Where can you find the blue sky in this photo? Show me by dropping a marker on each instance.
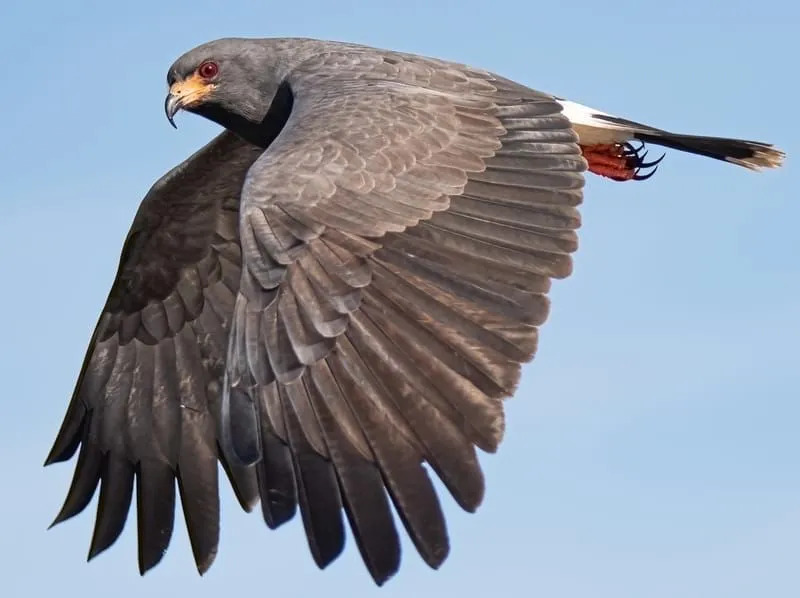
(652, 449)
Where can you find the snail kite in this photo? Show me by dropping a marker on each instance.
(337, 290)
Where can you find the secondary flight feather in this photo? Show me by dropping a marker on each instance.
(339, 289)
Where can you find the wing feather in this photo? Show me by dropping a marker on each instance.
(155, 508)
(276, 479)
(364, 499)
(116, 492)
(146, 407)
(317, 487)
(398, 245)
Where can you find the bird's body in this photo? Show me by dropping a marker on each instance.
(337, 290)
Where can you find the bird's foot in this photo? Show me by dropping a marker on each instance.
(619, 161)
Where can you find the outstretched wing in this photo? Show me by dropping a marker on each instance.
(398, 242)
(146, 404)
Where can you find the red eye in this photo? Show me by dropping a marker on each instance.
(208, 70)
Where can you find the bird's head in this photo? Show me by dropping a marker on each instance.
(229, 81)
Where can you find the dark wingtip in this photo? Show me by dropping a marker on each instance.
(277, 512)
(327, 554)
(204, 564)
(243, 481)
(63, 450)
(69, 436)
(149, 560)
(100, 543)
(382, 569)
(155, 508)
(62, 516)
(439, 558)
(52, 458)
(94, 550)
(382, 578)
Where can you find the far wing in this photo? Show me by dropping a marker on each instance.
(146, 404)
(398, 244)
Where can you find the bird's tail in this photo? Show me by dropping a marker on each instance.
(754, 155)
(609, 145)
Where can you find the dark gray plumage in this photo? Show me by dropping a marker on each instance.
(146, 404)
(336, 291)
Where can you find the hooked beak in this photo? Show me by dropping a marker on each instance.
(171, 106)
(184, 94)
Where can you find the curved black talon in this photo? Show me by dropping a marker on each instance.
(644, 177)
(653, 163)
(636, 160)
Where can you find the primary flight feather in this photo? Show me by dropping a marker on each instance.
(339, 289)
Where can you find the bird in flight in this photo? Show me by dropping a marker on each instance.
(334, 296)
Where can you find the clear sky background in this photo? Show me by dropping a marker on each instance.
(652, 449)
